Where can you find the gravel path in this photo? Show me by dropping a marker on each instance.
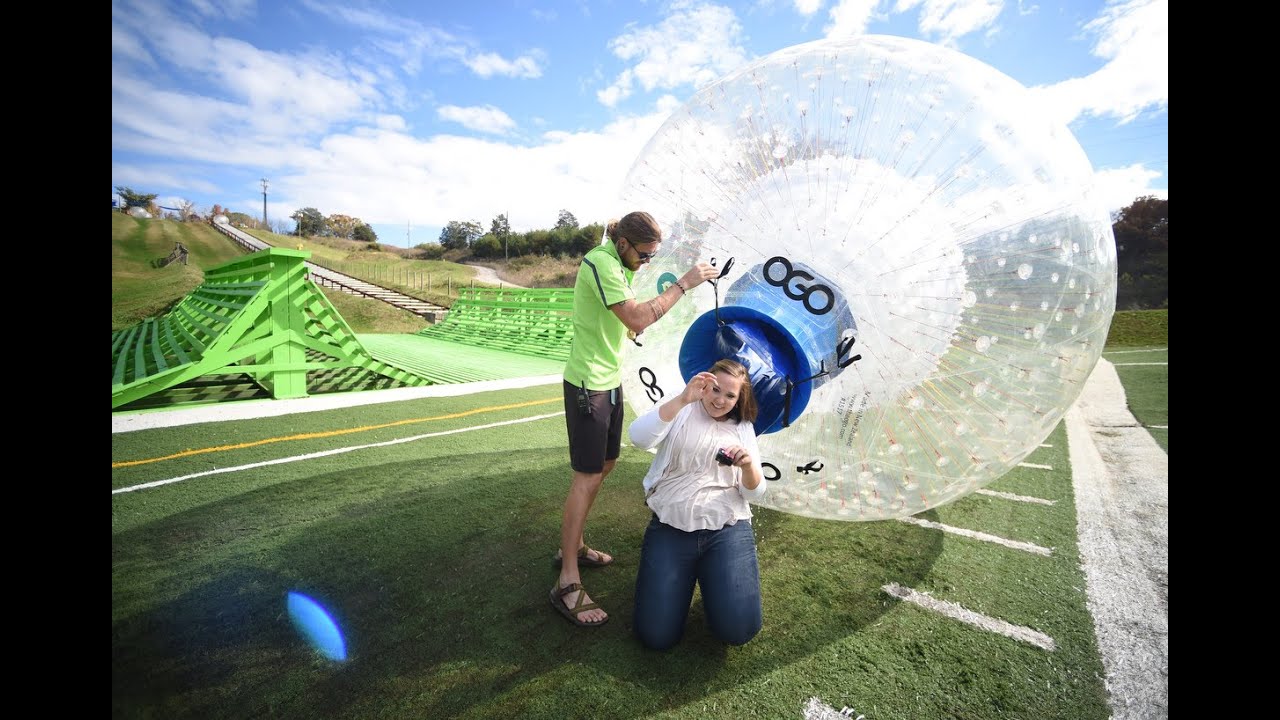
(1121, 479)
(487, 275)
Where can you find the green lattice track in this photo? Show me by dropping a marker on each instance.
(489, 334)
(443, 362)
(256, 327)
(536, 322)
(259, 328)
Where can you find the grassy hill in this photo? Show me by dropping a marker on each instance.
(139, 290)
(1139, 328)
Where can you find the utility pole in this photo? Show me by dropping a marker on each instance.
(265, 226)
(506, 234)
(406, 233)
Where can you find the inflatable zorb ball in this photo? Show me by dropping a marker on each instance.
(920, 277)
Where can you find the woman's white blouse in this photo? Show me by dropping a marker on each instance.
(685, 486)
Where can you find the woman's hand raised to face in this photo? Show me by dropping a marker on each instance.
(697, 387)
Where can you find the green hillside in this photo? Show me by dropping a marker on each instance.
(1139, 328)
(139, 290)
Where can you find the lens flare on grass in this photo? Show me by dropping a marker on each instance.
(316, 626)
(923, 275)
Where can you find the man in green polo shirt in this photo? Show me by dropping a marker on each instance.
(604, 311)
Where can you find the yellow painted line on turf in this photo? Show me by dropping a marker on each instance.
(328, 433)
(327, 453)
(976, 619)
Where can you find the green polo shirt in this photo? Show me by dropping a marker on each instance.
(595, 357)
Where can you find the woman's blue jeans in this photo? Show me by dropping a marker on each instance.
(724, 565)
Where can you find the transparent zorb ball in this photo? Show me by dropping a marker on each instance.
(922, 274)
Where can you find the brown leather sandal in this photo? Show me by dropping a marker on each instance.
(572, 613)
(585, 559)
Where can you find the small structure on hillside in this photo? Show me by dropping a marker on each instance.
(179, 254)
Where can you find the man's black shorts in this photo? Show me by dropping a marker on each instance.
(595, 437)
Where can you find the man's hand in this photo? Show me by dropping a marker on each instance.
(699, 274)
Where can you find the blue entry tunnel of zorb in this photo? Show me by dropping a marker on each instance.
(784, 322)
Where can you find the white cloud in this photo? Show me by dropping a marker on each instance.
(1119, 187)
(411, 41)
(488, 118)
(490, 64)
(694, 45)
(1133, 37)
(136, 176)
(248, 91)
(807, 7)
(849, 18)
(945, 21)
(390, 122)
(948, 20)
(225, 9)
(126, 46)
(389, 177)
(620, 90)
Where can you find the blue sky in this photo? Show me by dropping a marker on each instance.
(410, 114)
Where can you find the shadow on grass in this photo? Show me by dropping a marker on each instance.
(439, 579)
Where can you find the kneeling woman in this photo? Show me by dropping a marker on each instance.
(701, 526)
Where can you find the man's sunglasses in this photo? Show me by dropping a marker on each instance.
(643, 255)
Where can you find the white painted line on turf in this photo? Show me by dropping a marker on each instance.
(815, 709)
(985, 537)
(1127, 364)
(250, 409)
(1120, 477)
(1037, 467)
(1046, 445)
(1015, 498)
(327, 453)
(978, 620)
(1159, 427)
(1124, 352)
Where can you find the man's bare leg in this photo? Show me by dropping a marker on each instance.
(582, 495)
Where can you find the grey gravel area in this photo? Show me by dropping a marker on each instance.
(490, 276)
(1121, 479)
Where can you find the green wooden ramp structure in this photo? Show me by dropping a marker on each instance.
(489, 334)
(256, 327)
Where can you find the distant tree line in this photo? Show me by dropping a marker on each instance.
(1141, 231)
(1142, 254)
(565, 238)
(310, 223)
